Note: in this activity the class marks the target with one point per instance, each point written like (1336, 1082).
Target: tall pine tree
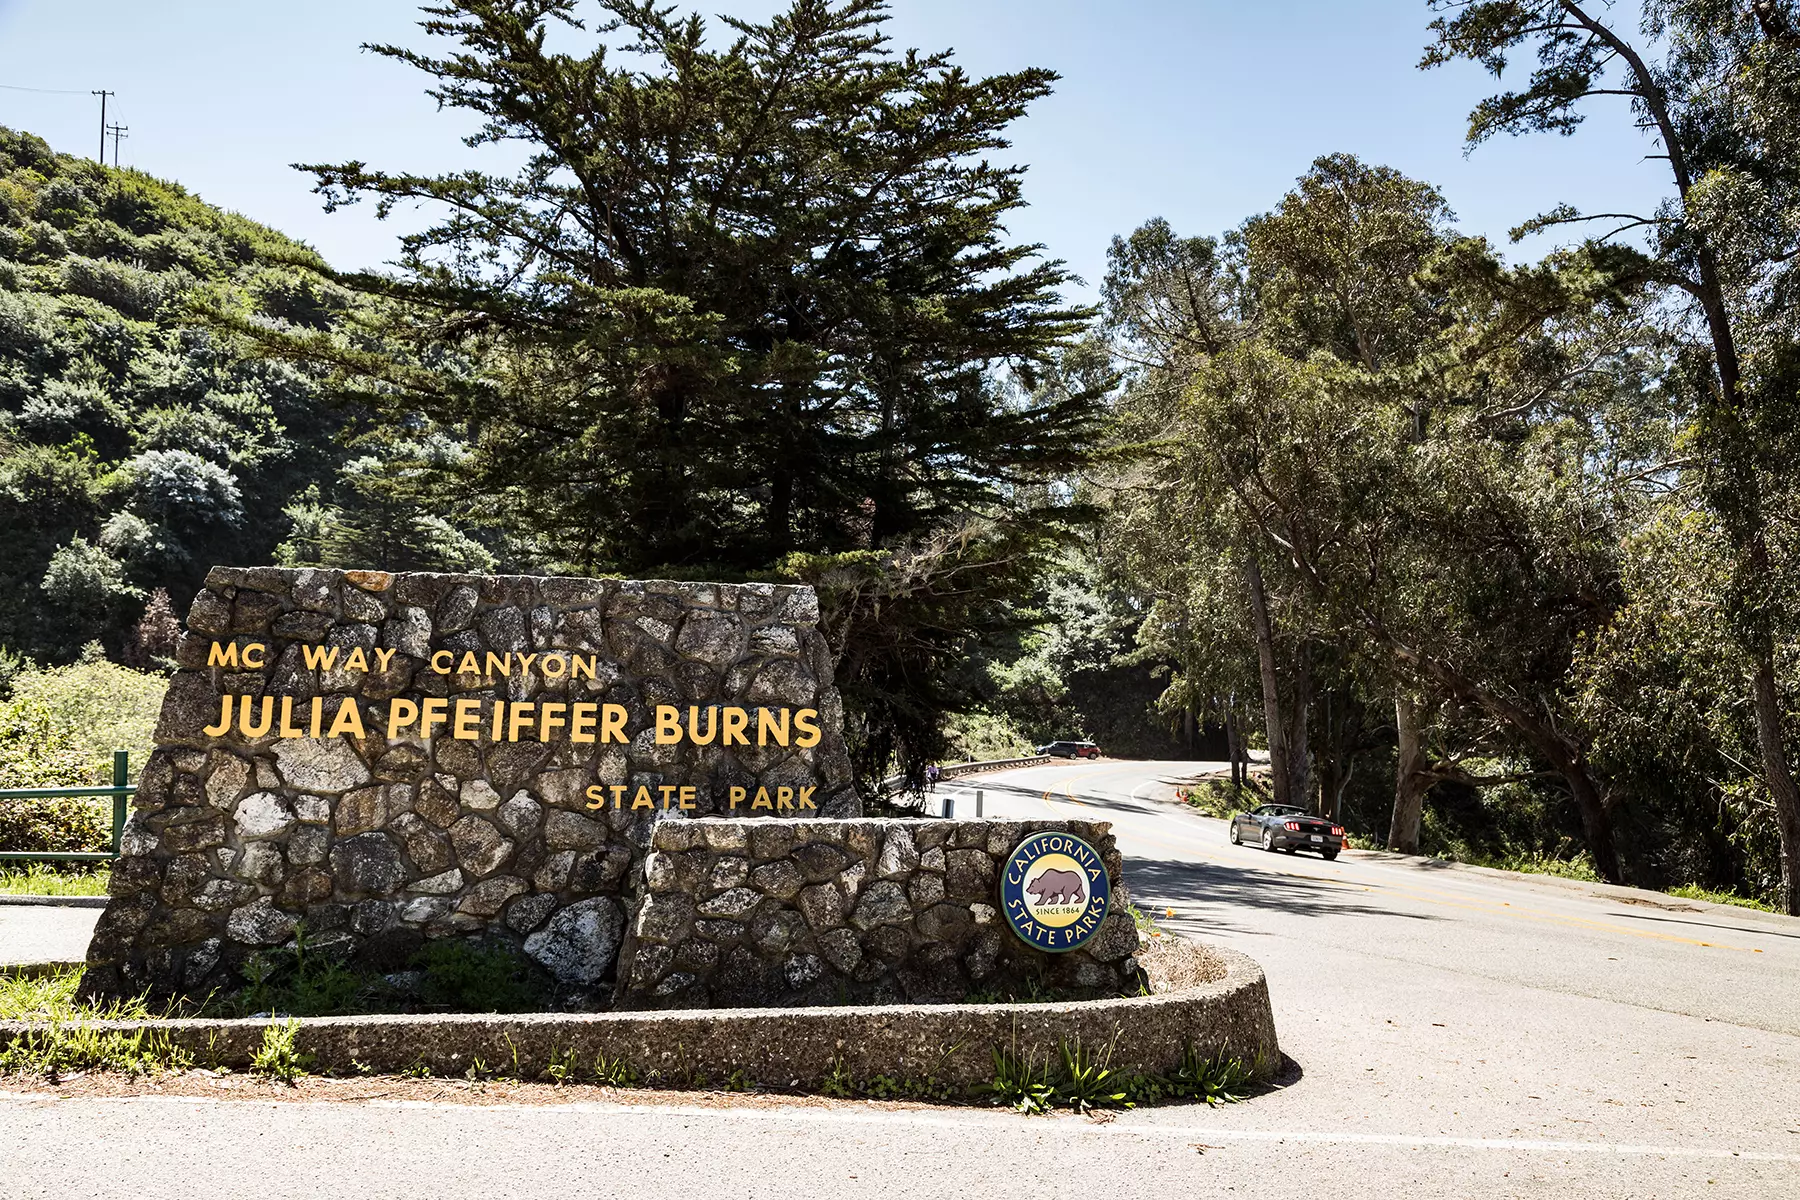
(742, 300)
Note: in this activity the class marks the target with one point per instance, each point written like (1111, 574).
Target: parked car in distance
(1070, 750)
(1281, 827)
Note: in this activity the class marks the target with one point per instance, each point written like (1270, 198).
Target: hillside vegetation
(140, 445)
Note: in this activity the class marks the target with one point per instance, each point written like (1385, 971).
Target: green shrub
(470, 976)
(277, 1057)
(1088, 1080)
(120, 286)
(12, 665)
(1693, 891)
(61, 725)
(1021, 1082)
(1218, 798)
(59, 728)
(55, 825)
(984, 737)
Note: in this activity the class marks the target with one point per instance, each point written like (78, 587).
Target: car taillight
(1292, 826)
(1337, 831)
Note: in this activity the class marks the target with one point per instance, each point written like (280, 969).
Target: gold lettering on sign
(227, 654)
(256, 729)
(401, 713)
(468, 716)
(550, 718)
(218, 728)
(432, 714)
(348, 720)
(581, 721)
(287, 729)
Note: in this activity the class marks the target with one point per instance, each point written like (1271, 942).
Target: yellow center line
(1423, 895)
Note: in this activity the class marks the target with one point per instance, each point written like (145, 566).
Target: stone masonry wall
(376, 844)
(738, 913)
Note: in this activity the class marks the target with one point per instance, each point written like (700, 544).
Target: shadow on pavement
(1759, 930)
(1157, 884)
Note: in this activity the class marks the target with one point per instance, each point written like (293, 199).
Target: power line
(117, 131)
(13, 87)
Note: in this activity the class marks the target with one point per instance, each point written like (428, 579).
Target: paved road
(45, 933)
(1453, 1033)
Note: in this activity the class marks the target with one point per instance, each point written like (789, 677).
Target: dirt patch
(222, 1085)
(1178, 966)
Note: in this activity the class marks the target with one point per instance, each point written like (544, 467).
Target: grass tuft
(1693, 891)
(50, 996)
(43, 879)
(278, 1057)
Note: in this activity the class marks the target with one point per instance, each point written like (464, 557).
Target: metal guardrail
(121, 792)
(894, 783)
(998, 764)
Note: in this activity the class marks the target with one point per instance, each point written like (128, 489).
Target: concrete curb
(55, 901)
(1211, 997)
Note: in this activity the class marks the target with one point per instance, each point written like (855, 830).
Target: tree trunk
(1561, 751)
(1596, 822)
(1271, 694)
(1337, 796)
(1331, 767)
(1411, 781)
(1779, 777)
(1299, 745)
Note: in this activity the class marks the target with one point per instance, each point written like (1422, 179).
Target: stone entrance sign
(383, 758)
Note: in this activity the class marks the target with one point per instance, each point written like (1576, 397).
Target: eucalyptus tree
(1175, 305)
(1424, 450)
(1716, 85)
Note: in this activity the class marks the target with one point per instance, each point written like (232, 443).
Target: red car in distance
(1070, 750)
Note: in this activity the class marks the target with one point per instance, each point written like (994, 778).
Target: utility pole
(103, 95)
(117, 131)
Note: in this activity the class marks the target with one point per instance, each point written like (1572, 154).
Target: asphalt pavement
(44, 933)
(1451, 1032)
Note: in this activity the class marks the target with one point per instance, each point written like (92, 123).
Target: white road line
(985, 1121)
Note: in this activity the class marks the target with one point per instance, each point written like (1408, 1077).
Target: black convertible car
(1279, 827)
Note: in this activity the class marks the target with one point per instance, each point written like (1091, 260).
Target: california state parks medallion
(1054, 891)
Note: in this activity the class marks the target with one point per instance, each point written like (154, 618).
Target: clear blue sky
(1201, 111)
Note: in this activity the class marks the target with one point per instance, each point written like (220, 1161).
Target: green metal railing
(121, 793)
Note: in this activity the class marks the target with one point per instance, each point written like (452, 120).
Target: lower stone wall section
(757, 913)
(1212, 999)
